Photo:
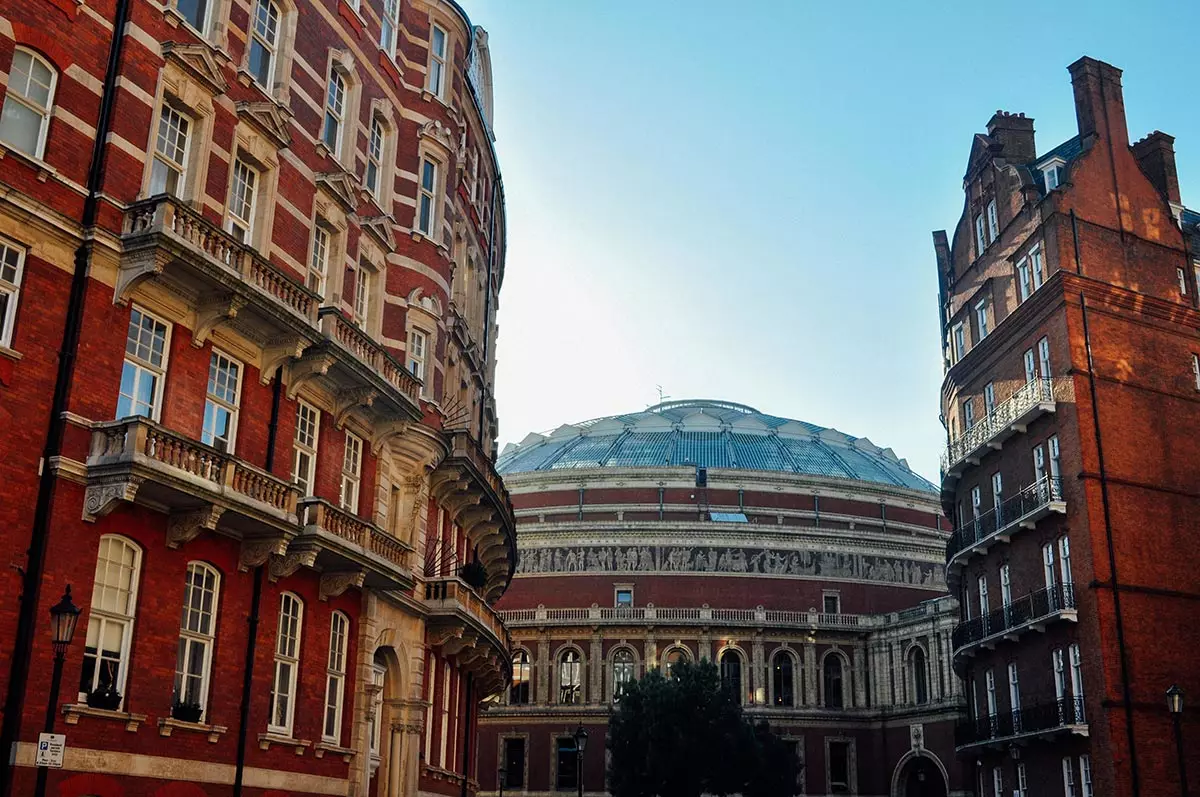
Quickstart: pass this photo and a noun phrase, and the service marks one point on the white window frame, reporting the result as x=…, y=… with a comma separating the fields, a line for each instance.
x=334, y=110
x=198, y=629
x=101, y=617
x=1052, y=446
x=993, y=221
x=241, y=210
x=1048, y=569
x=351, y=473
x=1077, y=694
x=1037, y=266
x=172, y=126
x=1039, y=464
x=976, y=501
x=218, y=402
x=997, y=491
x=1196, y=369
x=980, y=239
x=286, y=656
x=968, y=413
x=335, y=677
x=1022, y=780
x=998, y=782
x=989, y=398
x=12, y=272
x=427, y=197
x=1068, y=771
x=1005, y=586
x=984, y=604
x=1024, y=286
x=362, y=295
x=1181, y=277
x=1085, y=775
x=1052, y=174
x=389, y=26
x=318, y=261
x=1030, y=366
x=144, y=368
x=376, y=146
x=1043, y=346
x=981, y=318
x=959, y=341
x=990, y=687
x=19, y=96
x=1014, y=690
x=1058, y=664
x=417, y=352
x=305, y=445
x=1064, y=559
x=435, y=82
x=206, y=17
x=378, y=676
x=267, y=37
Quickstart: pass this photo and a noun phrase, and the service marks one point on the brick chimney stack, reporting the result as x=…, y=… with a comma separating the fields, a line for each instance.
x=1014, y=131
x=1155, y=154
x=1099, y=102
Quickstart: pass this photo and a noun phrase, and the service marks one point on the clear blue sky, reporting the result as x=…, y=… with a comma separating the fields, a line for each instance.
x=735, y=200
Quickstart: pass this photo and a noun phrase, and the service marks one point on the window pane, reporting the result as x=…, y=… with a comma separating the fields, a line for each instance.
x=20, y=126
x=194, y=11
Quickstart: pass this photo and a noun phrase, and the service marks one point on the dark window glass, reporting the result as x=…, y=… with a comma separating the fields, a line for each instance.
x=731, y=672
x=920, y=677
x=782, y=674
x=832, y=604
x=833, y=681
x=514, y=763
x=568, y=763
x=839, y=767
x=519, y=693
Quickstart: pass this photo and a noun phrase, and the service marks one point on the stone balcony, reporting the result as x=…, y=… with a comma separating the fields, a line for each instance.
x=1022, y=511
x=344, y=547
x=462, y=624
x=1029, y=613
x=467, y=484
x=225, y=281
x=650, y=614
x=1040, y=721
x=1012, y=416
x=200, y=488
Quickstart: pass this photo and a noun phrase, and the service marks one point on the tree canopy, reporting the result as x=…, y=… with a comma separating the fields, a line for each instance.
x=684, y=735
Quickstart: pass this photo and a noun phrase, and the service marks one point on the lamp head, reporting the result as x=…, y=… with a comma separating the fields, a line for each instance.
x=64, y=616
x=1175, y=699
x=581, y=737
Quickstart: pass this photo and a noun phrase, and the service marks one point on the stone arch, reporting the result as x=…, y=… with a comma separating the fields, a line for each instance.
x=778, y=654
x=844, y=661
x=734, y=663
x=92, y=785
x=559, y=653
x=912, y=765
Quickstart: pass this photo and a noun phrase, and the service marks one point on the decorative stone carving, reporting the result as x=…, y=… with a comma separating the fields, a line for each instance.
x=101, y=498
x=183, y=527
x=213, y=312
x=198, y=61
x=307, y=369
x=441, y=134
x=270, y=119
x=381, y=228
x=334, y=584
x=289, y=563
x=342, y=187
x=351, y=399
x=916, y=735
x=255, y=552
x=136, y=267
x=277, y=353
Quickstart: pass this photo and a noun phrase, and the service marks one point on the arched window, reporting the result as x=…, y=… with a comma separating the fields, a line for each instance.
x=731, y=673
x=518, y=694
x=623, y=672
x=287, y=663
x=335, y=677
x=920, y=676
x=671, y=658
x=197, y=630
x=28, y=103
x=379, y=682
x=833, y=681
x=110, y=623
x=264, y=43
x=570, y=678
x=781, y=679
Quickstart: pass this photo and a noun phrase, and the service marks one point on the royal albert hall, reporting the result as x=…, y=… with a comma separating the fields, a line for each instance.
x=807, y=563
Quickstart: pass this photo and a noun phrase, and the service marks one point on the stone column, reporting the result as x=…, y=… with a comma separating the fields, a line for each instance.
x=811, y=691
x=758, y=668
x=704, y=646
x=597, y=662
x=860, y=686
x=395, y=759
x=650, y=653
x=542, y=668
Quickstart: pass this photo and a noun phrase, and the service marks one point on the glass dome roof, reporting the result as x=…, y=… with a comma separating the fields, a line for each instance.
x=709, y=434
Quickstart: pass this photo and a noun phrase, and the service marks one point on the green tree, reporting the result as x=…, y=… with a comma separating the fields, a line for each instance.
x=683, y=735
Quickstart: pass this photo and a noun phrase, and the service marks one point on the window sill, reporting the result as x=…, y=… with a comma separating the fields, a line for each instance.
x=15, y=355
x=265, y=740
x=43, y=169
x=353, y=16
x=167, y=725
x=73, y=711
x=429, y=96
x=321, y=748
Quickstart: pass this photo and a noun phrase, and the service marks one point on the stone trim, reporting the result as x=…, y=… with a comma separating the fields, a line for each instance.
x=166, y=725
x=73, y=711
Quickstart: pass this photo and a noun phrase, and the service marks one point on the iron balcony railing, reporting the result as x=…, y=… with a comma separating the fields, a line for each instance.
x=1059, y=715
x=1025, y=610
x=1001, y=419
x=1037, y=496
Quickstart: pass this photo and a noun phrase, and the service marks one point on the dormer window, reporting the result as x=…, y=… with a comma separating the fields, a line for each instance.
x=993, y=221
x=980, y=240
x=1052, y=174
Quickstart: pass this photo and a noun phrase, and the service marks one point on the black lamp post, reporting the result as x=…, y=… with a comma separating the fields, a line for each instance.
x=502, y=779
x=1175, y=706
x=580, y=745
x=64, y=616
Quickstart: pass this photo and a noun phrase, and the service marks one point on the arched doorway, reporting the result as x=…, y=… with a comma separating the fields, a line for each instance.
x=919, y=776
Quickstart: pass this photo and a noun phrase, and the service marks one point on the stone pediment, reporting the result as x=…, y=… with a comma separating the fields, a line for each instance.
x=198, y=61
x=440, y=133
x=342, y=187
x=381, y=228
x=270, y=120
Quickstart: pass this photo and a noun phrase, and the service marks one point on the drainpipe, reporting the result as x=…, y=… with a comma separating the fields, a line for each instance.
x=487, y=303
x=32, y=574
x=467, y=728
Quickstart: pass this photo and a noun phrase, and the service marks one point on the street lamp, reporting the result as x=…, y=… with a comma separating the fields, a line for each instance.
x=64, y=616
x=502, y=779
x=580, y=745
x=1175, y=707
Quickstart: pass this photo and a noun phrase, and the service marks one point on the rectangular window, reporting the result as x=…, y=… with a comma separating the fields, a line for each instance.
x=416, y=354
x=514, y=764
x=1064, y=559
x=335, y=110
x=1005, y=586
x=1181, y=278
x=1022, y=781
x=375, y=721
x=170, y=153
x=362, y=296
x=968, y=413
x=145, y=368
x=980, y=240
x=12, y=265
x=960, y=342
x=997, y=493
x=388, y=25
x=1014, y=694
x=989, y=398
x=243, y=193
x=1196, y=272
x=1030, y=372
x=624, y=597
x=221, y=404
x=984, y=603
x=1044, y=356
x=1068, y=770
x=990, y=684
x=335, y=678
x=1060, y=679
x=318, y=264
x=568, y=763
x=1048, y=565
x=110, y=619
x=998, y=782
x=981, y=318
x=1055, y=485
x=1077, y=681
x=976, y=497
x=351, y=473
x=1085, y=776
x=1039, y=464
x=1051, y=175
x=839, y=767
x=1023, y=284
x=427, y=198
x=437, y=62
x=287, y=664
x=197, y=631
x=304, y=466
x=1037, y=266
x=264, y=39
x=993, y=221
x=832, y=603
x=195, y=13
x=373, y=176
x=1196, y=369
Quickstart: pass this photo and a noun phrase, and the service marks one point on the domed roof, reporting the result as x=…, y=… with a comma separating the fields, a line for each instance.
x=709, y=434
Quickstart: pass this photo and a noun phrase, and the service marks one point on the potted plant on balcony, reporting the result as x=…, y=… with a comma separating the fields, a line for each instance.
x=186, y=711
x=474, y=574
x=105, y=697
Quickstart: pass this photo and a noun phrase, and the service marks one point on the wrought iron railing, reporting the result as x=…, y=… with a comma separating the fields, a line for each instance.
x=1034, y=392
x=1037, y=718
x=1023, y=611
x=1012, y=511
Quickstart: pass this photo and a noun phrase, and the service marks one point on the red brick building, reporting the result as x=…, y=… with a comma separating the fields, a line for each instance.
x=250, y=255
x=805, y=562
x=1069, y=298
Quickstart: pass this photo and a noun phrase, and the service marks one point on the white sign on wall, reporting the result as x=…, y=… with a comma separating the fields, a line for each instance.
x=50, y=749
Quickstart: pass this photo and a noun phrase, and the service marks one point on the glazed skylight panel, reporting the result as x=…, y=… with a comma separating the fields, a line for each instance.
x=642, y=449
x=591, y=452
x=865, y=466
x=759, y=452
x=702, y=449
x=812, y=457
x=536, y=456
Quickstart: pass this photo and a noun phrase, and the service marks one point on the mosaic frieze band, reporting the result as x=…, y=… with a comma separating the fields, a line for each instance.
x=767, y=561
